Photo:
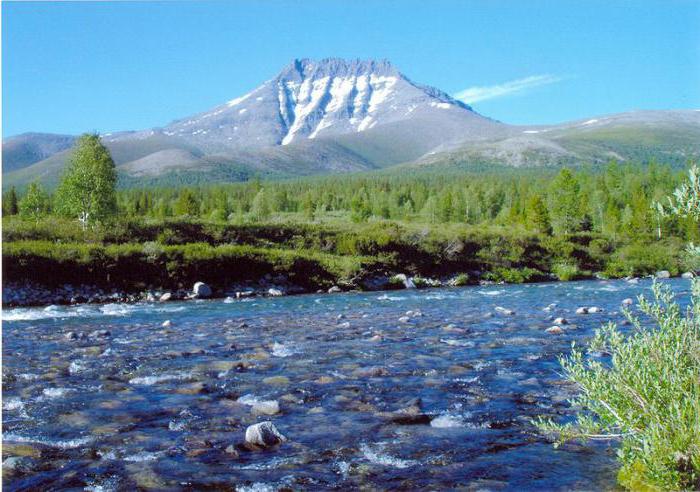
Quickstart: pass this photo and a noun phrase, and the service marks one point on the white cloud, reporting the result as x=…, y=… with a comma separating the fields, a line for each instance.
x=476, y=94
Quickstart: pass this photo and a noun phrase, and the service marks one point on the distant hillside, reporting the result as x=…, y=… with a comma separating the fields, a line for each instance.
x=334, y=116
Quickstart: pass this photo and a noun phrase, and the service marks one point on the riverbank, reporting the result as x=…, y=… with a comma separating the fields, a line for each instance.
x=56, y=262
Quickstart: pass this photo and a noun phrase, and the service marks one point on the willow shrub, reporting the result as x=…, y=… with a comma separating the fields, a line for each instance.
x=646, y=394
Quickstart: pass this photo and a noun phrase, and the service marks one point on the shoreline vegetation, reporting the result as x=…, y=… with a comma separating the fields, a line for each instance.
x=134, y=260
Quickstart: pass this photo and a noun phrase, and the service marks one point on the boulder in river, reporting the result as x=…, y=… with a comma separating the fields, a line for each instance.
x=663, y=274
x=201, y=290
x=554, y=330
x=688, y=275
x=264, y=434
x=582, y=310
x=627, y=302
x=561, y=321
x=410, y=414
x=165, y=297
x=334, y=290
x=274, y=292
x=503, y=310
x=167, y=323
x=595, y=309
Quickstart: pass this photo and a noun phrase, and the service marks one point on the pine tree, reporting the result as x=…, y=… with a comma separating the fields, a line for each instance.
x=187, y=204
x=565, y=203
x=537, y=215
x=11, y=207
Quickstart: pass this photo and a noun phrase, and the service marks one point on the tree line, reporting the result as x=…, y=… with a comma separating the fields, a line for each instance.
x=618, y=200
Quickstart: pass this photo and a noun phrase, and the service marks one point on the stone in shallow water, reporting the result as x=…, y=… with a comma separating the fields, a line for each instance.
x=627, y=302
x=277, y=380
x=21, y=449
x=502, y=310
x=268, y=407
x=561, y=321
x=264, y=434
x=411, y=414
x=554, y=330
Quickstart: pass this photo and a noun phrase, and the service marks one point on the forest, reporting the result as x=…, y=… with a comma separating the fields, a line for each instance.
x=508, y=225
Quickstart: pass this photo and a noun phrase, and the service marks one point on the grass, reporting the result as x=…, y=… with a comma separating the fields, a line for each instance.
x=645, y=393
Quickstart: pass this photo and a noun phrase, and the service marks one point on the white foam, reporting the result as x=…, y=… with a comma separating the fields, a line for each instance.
x=492, y=292
x=142, y=456
x=457, y=343
x=66, y=444
x=446, y=421
x=280, y=350
x=151, y=380
x=55, y=392
x=76, y=367
x=378, y=457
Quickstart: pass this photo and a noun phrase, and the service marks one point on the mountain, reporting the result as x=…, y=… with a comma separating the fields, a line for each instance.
x=26, y=149
x=336, y=115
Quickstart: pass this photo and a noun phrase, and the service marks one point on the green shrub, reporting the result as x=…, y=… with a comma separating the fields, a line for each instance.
x=460, y=280
x=566, y=271
x=647, y=394
x=641, y=259
x=514, y=275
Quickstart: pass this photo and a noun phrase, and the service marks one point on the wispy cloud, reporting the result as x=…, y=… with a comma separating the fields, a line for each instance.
x=476, y=94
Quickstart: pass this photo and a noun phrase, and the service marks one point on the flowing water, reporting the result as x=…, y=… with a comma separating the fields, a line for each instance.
x=154, y=407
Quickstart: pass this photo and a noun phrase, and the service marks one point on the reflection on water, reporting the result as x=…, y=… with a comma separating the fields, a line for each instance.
x=124, y=402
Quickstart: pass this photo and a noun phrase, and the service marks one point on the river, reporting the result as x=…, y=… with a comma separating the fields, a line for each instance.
x=125, y=402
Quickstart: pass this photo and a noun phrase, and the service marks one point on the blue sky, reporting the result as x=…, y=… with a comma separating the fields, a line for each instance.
x=106, y=66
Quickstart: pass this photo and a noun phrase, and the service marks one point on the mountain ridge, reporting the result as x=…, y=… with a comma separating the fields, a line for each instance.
x=335, y=115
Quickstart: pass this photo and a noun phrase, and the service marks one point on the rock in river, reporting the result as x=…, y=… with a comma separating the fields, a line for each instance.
x=411, y=414
x=201, y=290
x=264, y=434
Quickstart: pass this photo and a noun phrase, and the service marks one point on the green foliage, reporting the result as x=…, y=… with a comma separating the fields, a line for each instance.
x=187, y=204
x=514, y=275
x=565, y=203
x=461, y=280
x=10, y=203
x=538, y=215
x=35, y=203
x=566, y=271
x=646, y=394
x=88, y=187
x=642, y=258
